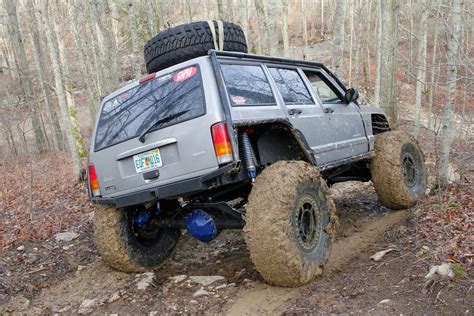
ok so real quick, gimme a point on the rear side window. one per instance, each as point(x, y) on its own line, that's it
point(291, 86)
point(247, 85)
point(125, 116)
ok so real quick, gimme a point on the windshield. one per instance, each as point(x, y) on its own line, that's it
point(127, 115)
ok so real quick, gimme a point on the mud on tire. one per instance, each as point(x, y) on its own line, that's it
point(290, 223)
point(398, 170)
point(121, 247)
point(188, 41)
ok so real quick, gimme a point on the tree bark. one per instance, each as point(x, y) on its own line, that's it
point(284, 19)
point(39, 58)
point(134, 37)
point(25, 80)
point(446, 131)
point(338, 36)
point(421, 61)
point(433, 68)
point(150, 14)
point(388, 80)
point(59, 85)
point(305, 28)
point(378, 71)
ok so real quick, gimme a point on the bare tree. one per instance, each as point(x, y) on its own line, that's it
point(150, 13)
point(446, 131)
point(388, 69)
point(25, 80)
point(421, 60)
point(433, 67)
point(134, 37)
point(39, 59)
point(338, 36)
point(284, 21)
point(59, 85)
point(305, 28)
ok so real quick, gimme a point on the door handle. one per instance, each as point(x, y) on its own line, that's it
point(328, 110)
point(294, 111)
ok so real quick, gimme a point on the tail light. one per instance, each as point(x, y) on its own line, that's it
point(93, 181)
point(222, 145)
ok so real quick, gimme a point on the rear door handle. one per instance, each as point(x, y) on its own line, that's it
point(294, 111)
point(328, 110)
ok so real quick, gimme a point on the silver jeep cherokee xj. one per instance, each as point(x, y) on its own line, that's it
point(233, 140)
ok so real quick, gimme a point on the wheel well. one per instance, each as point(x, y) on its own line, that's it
point(379, 124)
point(274, 142)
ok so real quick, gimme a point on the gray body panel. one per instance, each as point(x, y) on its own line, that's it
point(187, 149)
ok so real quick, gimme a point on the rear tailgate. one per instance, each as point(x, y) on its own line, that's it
point(179, 149)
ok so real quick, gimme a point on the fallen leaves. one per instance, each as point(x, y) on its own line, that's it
point(39, 198)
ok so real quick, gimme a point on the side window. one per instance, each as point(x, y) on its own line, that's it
point(326, 93)
point(291, 86)
point(247, 85)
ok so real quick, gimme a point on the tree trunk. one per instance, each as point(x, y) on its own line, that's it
point(25, 80)
point(322, 19)
point(263, 27)
point(150, 14)
point(378, 71)
point(446, 130)
point(84, 61)
point(134, 37)
point(284, 19)
point(220, 10)
point(305, 28)
point(58, 82)
point(270, 12)
point(338, 36)
point(388, 80)
point(39, 59)
point(433, 68)
point(421, 61)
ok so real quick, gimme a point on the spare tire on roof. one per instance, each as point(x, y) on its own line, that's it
point(188, 41)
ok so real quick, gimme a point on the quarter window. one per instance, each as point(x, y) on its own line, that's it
point(247, 85)
point(291, 86)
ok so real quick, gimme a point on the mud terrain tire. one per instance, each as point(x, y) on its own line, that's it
point(290, 223)
point(120, 247)
point(398, 170)
point(188, 41)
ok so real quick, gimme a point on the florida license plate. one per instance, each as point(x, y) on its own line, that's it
point(147, 161)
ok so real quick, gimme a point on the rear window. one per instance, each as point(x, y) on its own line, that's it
point(247, 85)
point(291, 86)
point(128, 114)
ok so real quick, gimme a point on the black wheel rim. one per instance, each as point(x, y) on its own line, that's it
point(307, 223)
point(409, 169)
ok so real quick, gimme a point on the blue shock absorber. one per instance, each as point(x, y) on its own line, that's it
point(247, 154)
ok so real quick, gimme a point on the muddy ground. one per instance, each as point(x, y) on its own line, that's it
point(69, 277)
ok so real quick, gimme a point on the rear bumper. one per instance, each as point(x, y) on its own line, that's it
point(228, 174)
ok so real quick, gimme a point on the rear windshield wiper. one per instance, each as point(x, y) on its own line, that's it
point(158, 123)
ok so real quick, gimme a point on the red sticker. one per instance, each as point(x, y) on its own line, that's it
point(185, 74)
point(237, 99)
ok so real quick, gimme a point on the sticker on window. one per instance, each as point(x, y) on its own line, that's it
point(239, 100)
point(185, 74)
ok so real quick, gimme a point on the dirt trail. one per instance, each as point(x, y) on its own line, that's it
point(268, 299)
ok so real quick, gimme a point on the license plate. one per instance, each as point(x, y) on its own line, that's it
point(147, 161)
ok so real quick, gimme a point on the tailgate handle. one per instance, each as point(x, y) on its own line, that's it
point(151, 175)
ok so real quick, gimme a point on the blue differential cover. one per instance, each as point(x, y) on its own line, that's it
point(201, 225)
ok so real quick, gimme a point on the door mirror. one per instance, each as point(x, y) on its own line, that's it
point(352, 95)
